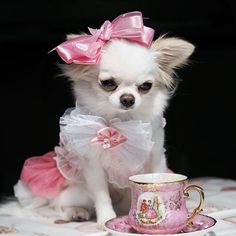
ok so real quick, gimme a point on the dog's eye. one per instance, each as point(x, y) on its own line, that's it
point(145, 87)
point(108, 85)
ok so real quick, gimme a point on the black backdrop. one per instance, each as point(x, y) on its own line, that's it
point(200, 118)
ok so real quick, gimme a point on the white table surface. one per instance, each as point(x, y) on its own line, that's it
point(220, 196)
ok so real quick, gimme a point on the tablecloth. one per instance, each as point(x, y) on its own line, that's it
point(220, 203)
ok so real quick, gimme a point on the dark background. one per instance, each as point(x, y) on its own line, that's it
point(201, 116)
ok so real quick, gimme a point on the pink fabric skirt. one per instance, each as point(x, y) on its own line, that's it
point(42, 176)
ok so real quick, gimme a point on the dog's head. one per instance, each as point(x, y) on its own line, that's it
point(130, 80)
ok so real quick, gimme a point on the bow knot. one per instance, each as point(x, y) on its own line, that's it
point(86, 49)
point(104, 33)
point(109, 137)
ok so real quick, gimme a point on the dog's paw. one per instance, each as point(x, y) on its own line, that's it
point(104, 217)
point(77, 214)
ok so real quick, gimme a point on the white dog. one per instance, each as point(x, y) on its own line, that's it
point(116, 130)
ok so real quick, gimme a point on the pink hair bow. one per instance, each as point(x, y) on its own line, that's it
point(86, 49)
point(109, 137)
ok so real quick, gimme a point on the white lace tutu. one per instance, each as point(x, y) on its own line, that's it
point(124, 145)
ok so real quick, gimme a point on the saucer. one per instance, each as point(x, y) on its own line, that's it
point(119, 226)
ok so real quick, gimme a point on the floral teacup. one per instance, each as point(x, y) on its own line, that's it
point(159, 203)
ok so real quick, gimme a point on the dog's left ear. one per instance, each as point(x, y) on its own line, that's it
point(171, 53)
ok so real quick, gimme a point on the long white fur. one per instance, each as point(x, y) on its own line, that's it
point(131, 65)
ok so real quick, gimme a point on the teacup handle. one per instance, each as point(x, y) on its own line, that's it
point(201, 203)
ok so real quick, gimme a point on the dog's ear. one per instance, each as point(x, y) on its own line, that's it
point(74, 71)
point(171, 53)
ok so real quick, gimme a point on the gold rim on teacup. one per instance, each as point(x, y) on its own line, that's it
point(171, 181)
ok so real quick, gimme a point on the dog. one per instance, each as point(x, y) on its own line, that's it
point(121, 92)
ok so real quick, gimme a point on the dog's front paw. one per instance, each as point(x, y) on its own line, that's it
point(103, 217)
point(77, 214)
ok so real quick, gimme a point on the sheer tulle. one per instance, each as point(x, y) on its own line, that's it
point(69, 165)
point(78, 130)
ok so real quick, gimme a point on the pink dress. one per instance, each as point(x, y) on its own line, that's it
point(126, 146)
point(151, 213)
point(42, 176)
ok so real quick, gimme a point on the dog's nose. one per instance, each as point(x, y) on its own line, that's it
point(127, 100)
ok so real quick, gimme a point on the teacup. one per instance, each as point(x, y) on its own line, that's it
point(158, 203)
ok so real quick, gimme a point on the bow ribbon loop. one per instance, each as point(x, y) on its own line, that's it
point(86, 49)
point(104, 33)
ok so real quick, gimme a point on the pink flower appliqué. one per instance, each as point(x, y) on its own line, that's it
point(109, 137)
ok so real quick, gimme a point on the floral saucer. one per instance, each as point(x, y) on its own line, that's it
point(202, 224)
